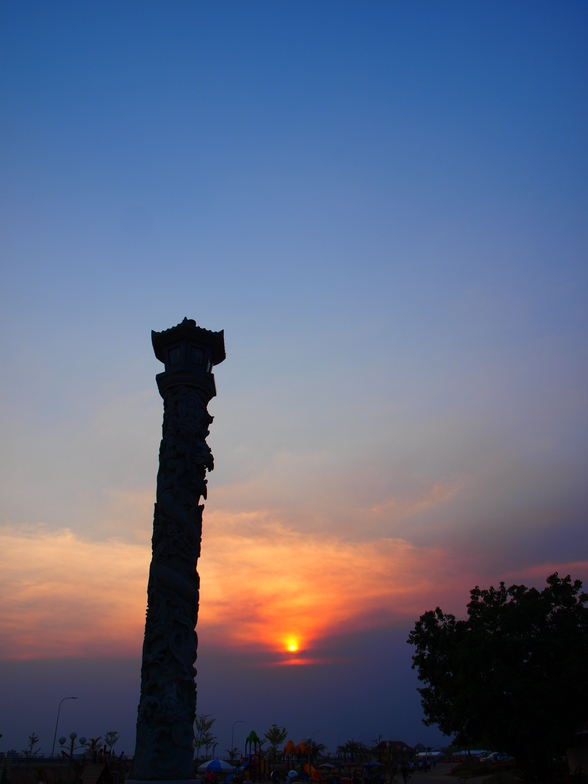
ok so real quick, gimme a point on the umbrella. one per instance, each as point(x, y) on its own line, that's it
point(292, 774)
point(215, 766)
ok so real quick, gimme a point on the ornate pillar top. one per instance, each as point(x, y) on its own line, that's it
point(189, 353)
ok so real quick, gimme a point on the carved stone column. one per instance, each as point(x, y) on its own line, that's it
point(167, 708)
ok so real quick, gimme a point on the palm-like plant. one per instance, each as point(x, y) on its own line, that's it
point(93, 745)
point(362, 751)
point(352, 748)
point(317, 749)
point(110, 739)
point(233, 753)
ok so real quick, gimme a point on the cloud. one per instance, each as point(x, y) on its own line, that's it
point(265, 587)
point(402, 508)
point(66, 596)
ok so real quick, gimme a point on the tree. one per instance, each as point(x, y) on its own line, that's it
point(317, 749)
point(275, 737)
point(513, 675)
point(93, 745)
point(111, 738)
point(234, 754)
point(362, 752)
point(203, 736)
point(30, 752)
point(378, 749)
point(352, 747)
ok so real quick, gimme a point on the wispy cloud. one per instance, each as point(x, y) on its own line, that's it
point(66, 596)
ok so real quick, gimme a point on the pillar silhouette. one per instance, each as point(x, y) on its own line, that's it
point(167, 707)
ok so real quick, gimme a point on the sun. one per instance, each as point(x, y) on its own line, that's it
point(292, 645)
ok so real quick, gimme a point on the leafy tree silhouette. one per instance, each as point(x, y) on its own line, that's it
point(275, 737)
point(513, 675)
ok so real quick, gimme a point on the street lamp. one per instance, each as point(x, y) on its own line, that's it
point(239, 721)
point(57, 722)
point(72, 746)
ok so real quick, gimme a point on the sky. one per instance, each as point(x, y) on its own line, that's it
point(384, 206)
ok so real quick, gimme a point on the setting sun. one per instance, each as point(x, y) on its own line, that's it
point(292, 645)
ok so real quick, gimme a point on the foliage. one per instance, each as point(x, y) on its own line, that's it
point(513, 675)
point(93, 745)
point(356, 750)
point(30, 751)
point(111, 738)
point(234, 754)
point(317, 748)
point(275, 737)
point(203, 736)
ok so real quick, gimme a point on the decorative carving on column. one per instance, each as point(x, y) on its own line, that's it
point(167, 707)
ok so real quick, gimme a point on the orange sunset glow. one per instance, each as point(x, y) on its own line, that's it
point(338, 587)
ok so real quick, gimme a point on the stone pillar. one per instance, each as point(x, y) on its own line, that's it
point(167, 707)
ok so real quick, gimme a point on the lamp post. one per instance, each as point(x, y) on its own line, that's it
point(57, 722)
point(239, 721)
point(72, 746)
point(338, 741)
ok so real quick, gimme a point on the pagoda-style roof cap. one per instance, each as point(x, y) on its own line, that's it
point(187, 330)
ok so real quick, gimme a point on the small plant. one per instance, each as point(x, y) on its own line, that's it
point(93, 745)
point(203, 736)
point(110, 739)
point(31, 752)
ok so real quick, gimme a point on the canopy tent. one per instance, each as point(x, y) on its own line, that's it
point(215, 766)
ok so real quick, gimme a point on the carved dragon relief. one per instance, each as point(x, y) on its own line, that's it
point(165, 722)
